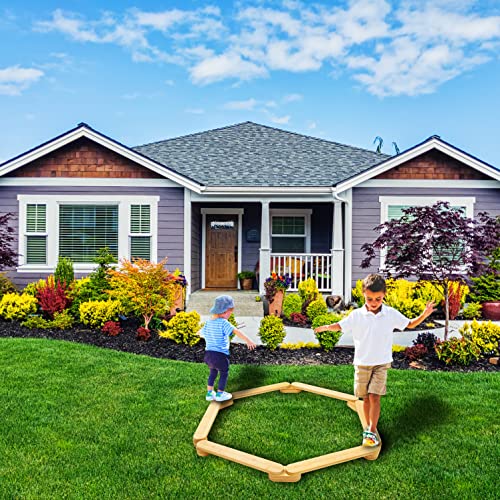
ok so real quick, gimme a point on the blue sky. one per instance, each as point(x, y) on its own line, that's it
point(345, 71)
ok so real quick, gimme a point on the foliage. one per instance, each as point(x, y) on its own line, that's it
point(292, 303)
point(428, 340)
point(486, 287)
point(486, 335)
point(316, 308)
point(398, 348)
point(328, 339)
point(183, 328)
point(62, 320)
point(357, 293)
point(111, 328)
point(17, 307)
point(435, 242)
point(7, 254)
point(415, 352)
point(326, 319)
point(232, 320)
point(52, 298)
point(64, 272)
point(472, 311)
point(271, 331)
point(276, 282)
point(457, 351)
point(97, 312)
point(35, 321)
point(308, 290)
point(178, 277)
point(258, 298)
point(6, 285)
point(298, 345)
point(32, 288)
point(246, 275)
point(456, 297)
point(298, 318)
point(143, 334)
point(401, 296)
point(144, 287)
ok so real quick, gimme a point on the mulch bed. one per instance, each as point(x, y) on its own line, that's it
point(164, 348)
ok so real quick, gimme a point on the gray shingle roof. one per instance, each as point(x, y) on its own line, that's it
point(249, 154)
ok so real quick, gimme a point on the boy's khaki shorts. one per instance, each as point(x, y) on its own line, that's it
point(370, 379)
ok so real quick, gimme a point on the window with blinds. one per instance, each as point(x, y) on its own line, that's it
point(288, 234)
point(140, 232)
point(36, 233)
point(84, 229)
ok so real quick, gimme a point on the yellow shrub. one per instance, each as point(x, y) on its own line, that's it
point(308, 290)
point(485, 335)
point(17, 307)
point(96, 312)
point(183, 328)
point(299, 345)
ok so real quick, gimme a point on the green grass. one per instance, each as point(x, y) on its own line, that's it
point(83, 422)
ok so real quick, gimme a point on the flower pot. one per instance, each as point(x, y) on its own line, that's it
point(491, 310)
point(177, 303)
point(276, 304)
point(246, 283)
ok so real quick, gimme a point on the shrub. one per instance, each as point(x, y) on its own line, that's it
point(64, 272)
point(143, 286)
point(472, 311)
point(398, 348)
point(428, 340)
point(485, 335)
point(308, 290)
point(299, 345)
point(62, 320)
point(183, 328)
point(457, 351)
point(299, 318)
point(36, 321)
point(271, 331)
point(415, 352)
point(357, 293)
point(52, 298)
point(96, 312)
point(258, 298)
point(6, 285)
point(291, 304)
point(456, 297)
point(32, 288)
point(328, 339)
point(143, 333)
point(316, 308)
point(111, 328)
point(17, 307)
point(326, 319)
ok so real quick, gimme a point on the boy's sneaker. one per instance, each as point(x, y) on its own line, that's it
point(222, 396)
point(370, 439)
point(210, 396)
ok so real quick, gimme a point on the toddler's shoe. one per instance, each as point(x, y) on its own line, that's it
point(210, 396)
point(370, 439)
point(222, 396)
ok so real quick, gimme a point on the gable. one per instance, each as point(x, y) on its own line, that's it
point(84, 158)
point(433, 165)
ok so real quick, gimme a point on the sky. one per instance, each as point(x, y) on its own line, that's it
point(347, 71)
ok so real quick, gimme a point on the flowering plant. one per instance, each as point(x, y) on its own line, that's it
point(178, 278)
point(276, 282)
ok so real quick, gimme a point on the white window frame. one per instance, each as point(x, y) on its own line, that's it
point(419, 201)
point(52, 203)
point(292, 212)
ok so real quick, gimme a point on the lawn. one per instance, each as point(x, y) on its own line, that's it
point(83, 422)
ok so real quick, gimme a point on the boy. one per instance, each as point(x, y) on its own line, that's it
point(372, 326)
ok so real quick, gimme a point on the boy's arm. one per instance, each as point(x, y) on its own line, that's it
point(243, 337)
point(335, 327)
point(429, 309)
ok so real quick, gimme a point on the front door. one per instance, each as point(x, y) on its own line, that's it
point(221, 262)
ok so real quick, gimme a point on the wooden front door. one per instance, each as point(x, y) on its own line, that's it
point(221, 261)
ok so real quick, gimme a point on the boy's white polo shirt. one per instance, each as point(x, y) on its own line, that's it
point(373, 333)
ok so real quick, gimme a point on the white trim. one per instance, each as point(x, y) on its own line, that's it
point(429, 183)
point(292, 212)
point(348, 246)
point(222, 211)
point(433, 143)
point(53, 201)
point(187, 240)
point(86, 182)
point(84, 131)
point(209, 190)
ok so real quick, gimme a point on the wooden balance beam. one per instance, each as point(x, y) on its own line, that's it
point(261, 390)
point(324, 392)
point(208, 419)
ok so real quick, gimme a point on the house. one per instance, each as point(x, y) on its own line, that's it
point(226, 200)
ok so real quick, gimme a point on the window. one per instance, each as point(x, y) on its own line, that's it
point(290, 231)
point(77, 227)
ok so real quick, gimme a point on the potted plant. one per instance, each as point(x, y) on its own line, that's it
point(486, 288)
point(178, 289)
point(246, 279)
point(275, 287)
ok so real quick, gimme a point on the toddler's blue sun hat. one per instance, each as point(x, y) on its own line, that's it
point(222, 304)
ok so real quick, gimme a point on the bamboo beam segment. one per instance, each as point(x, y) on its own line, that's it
point(240, 457)
point(260, 390)
point(324, 392)
point(328, 460)
point(206, 422)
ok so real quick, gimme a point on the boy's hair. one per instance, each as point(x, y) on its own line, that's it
point(374, 283)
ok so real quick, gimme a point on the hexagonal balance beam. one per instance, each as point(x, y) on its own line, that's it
point(278, 472)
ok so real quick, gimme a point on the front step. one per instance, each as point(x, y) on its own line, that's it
point(202, 300)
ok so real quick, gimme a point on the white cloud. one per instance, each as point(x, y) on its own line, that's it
point(14, 79)
point(248, 105)
point(311, 125)
point(293, 97)
point(280, 119)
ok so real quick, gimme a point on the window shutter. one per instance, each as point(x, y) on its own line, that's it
point(140, 229)
point(36, 222)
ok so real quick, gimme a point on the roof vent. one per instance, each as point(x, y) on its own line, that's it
point(435, 136)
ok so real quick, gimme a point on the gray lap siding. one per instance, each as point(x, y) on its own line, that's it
point(366, 214)
point(170, 218)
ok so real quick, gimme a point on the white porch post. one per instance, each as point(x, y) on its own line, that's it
point(265, 247)
point(187, 240)
point(337, 251)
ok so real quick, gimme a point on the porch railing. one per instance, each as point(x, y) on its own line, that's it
point(301, 266)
